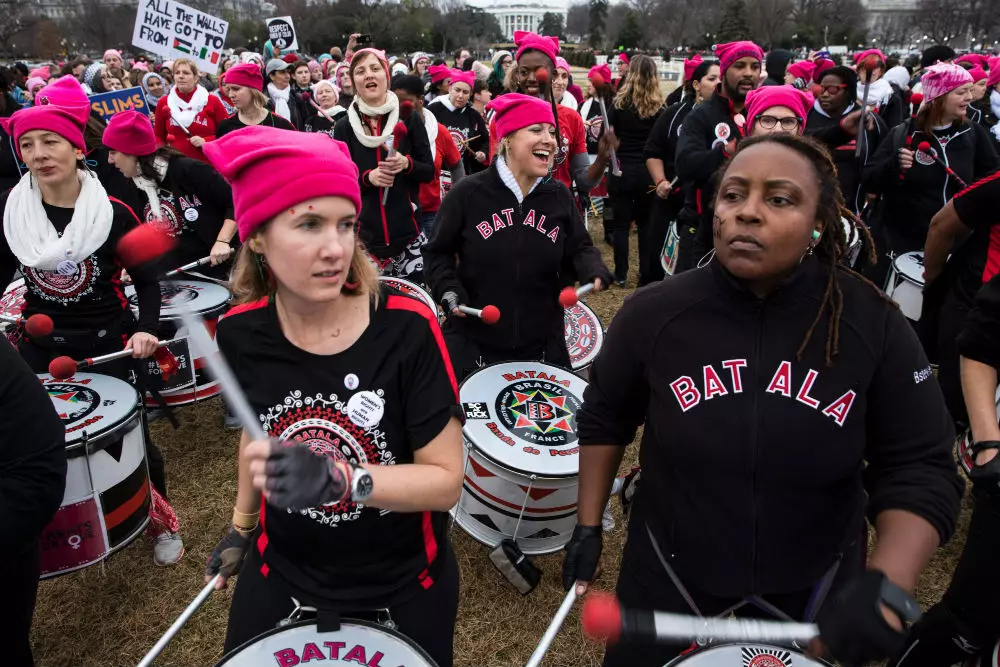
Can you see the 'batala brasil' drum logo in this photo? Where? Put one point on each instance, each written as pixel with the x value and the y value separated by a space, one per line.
pixel 171 294
pixel 538 407
pixel 766 657
pixel 581 338
pixel 73 402
pixel 323 424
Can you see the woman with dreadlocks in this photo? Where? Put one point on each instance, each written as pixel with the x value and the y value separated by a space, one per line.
pixel 797 376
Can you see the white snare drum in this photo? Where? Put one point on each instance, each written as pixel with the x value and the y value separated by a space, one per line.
pixel 106 502
pixel 12 302
pixel 411 289
pixel 853 243
pixel 210 300
pixel 522 455
pixel 964 453
pixel 356 642
pixel 671 245
pixel 584 336
pixel 745 655
pixel 905 284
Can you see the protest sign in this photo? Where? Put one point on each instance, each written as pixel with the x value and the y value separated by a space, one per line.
pixel 281 32
pixel 130 99
pixel 174 31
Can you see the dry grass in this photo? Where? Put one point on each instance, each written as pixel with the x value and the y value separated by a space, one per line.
pixel 110 615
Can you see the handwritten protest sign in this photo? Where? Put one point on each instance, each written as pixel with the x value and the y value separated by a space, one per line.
pixel 108 104
pixel 174 31
pixel 281 32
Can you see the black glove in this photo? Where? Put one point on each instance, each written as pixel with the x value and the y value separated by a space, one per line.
pixel 228 554
pixel 450 302
pixel 985 477
pixel 852 626
pixel 582 555
pixel 297 478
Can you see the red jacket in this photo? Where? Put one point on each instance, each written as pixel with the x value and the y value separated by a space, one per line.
pixel 446 153
pixel 168 132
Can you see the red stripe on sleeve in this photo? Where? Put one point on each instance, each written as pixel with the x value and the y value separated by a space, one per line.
pixel 992 267
pixel 416 306
pixel 245 307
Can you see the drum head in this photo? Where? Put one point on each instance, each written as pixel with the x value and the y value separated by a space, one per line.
pixel 584 335
pixel 12 301
pixel 90 404
pixel 522 416
pixel 359 642
pixel 911 266
pixel 410 289
pixel 744 655
pixel 202 297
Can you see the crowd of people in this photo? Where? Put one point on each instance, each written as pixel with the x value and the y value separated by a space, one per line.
pixel 787 403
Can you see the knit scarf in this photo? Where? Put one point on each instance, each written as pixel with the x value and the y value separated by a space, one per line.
pixel 390 106
pixel 151 188
pixel 280 98
pixel 995 103
pixel 431 125
pixel 183 112
pixel 34 240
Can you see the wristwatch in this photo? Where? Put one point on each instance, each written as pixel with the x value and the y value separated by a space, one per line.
pixel 362 484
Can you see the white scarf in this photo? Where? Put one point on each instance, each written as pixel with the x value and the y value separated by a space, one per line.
pixel 34 240
pixel 280 98
pixel 878 93
pixel 183 112
pixel 995 103
pixel 568 101
pixel 431 125
pixel 151 188
pixel 391 107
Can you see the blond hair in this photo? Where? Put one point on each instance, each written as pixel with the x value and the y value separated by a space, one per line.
pixel 252 279
pixel 641 88
pixel 192 65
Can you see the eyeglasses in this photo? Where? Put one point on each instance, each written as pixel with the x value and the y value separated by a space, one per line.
pixel 788 123
pixel 833 89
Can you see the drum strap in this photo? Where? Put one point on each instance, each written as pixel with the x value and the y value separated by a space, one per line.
pixel 673 575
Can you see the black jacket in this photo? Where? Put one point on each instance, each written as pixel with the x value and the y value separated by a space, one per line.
pixel 387 229
pixel 662 141
pixel 980 340
pixel 754 474
pixel 909 202
pixel 463 124
pixel 10 166
pixel 842 147
pixel 489 249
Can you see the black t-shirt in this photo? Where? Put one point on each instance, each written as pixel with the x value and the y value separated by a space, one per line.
pixel 632 132
pixel 978 259
pixel 234 123
pixel 376 403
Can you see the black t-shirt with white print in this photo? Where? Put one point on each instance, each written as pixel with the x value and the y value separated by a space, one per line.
pixel 376 403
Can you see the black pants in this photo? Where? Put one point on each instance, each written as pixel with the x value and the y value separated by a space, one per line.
pixel 686 259
pixel 967 619
pixel 259 603
pixel 663 212
pixel 467 356
pixel 643 583
pixel 634 203
pixel 21 568
pixel 38 359
pixel 951 322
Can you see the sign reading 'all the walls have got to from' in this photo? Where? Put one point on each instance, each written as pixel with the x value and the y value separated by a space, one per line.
pixel 174 30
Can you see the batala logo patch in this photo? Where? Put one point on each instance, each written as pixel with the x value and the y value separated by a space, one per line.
pixel 766 657
pixel 538 407
pixel 73 402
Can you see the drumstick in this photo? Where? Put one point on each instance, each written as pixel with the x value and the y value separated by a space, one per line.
pixel 162 642
pixel 398 133
pixel 569 296
pixel 193 265
pixel 553 629
pixel 320 109
pixel 64 367
pixel 604 620
pixel 599 82
pixel 466 141
pixel 488 314
pixel 37 325
pixel 925 147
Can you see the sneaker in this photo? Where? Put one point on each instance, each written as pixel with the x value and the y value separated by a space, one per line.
pixel 608 520
pixel 620 283
pixel 167 548
pixel 232 421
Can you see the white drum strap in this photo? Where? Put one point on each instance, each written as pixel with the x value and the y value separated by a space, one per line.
pixel 524 504
pixel 461 494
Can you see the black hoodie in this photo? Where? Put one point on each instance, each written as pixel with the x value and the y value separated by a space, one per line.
pixel 776 64
pixel 842 147
pixel 10 166
pixel 490 249
pixel 757 467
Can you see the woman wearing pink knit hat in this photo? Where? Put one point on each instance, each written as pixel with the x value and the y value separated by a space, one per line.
pixel 61 231
pixel 187 117
pixel 560 85
pixel 774 109
pixel 326 354
pixel 440 82
pixel 243 84
pixel 979 109
pixel 503 237
pixel 465 125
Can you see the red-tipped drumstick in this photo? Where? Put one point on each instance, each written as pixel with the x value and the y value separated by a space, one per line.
pixel 64 367
pixel 605 621
pixel 143 244
pixel 406 109
pixel 542 76
pixel 193 265
pixel 398 132
pixel 916 99
pixel 909 142
pixel 569 296
pixel 38 325
pixel 599 83
pixel 868 64
pixel 488 314
pixel 925 147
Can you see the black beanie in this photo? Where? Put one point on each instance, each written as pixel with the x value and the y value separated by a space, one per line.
pixel 409 83
pixel 776 63
pixel 935 54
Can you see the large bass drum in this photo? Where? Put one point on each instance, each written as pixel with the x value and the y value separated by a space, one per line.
pixel 744 655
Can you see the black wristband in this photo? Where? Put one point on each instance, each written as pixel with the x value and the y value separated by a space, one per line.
pixel 899 601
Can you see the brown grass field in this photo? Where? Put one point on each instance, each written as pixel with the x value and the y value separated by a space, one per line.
pixel 109 615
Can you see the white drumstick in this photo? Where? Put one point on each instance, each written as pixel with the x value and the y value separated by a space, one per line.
pixel 488 314
pixel 193 265
pixel 569 296
pixel 181 620
pixel 550 633
pixel 201 346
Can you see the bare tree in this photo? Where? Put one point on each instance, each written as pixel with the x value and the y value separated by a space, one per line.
pixel 97 25
pixel 578 20
pixel 770 21
pixel 15 19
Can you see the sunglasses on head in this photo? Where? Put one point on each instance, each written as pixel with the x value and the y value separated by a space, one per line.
pixel 787 123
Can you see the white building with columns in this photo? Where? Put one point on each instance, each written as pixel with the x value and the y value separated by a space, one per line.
pixel 521 14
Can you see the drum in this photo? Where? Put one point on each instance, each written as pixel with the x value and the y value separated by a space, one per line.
pixel 964 453
pixel 668 258
pixel 584 336
pixel 853 243
pixel 747 655
pixel 411 289
pixel 522 455
pixel 905 284
pixel 359 642
pixel 210 300
pixel 106 502
pixel 12 302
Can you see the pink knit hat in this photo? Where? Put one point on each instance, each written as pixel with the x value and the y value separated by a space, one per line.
pixel 247 75
pixel 258 159
pixel 43 73
pixel 33 83
pixel 54 119
pixel 131 133
pixel 978 73
pixel 994 77
pixel 858 57
pixel 973 59
pixel 66 93
pixel 111 52
pixel 733 51
pixel 370 51
pixel 515 111
pixel 941 79
pixel 603 70
pixel 468 78
pixel 802 70
pixel 562 64
pixel 822 64
pixel 623 57
pixel 139 65
pixel 529 40
pixel 760 100
pixel 439 73
pixel 690 65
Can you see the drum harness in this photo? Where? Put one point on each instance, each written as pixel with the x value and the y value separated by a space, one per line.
pixel 329 621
